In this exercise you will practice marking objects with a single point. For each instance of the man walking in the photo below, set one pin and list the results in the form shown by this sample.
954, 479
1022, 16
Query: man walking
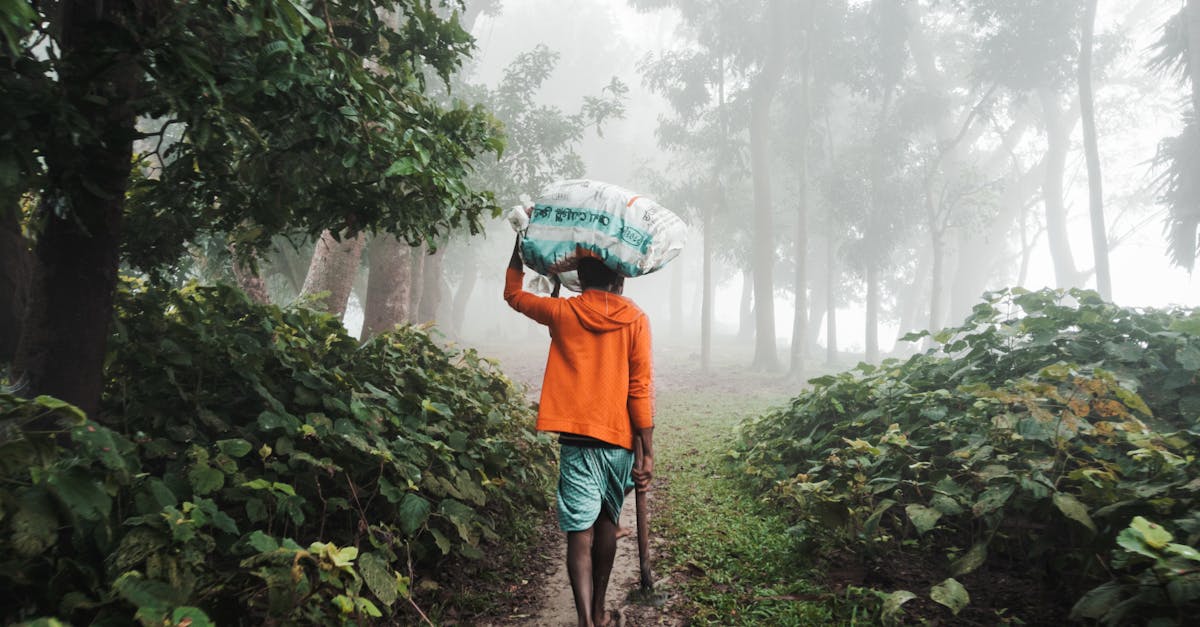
597, 395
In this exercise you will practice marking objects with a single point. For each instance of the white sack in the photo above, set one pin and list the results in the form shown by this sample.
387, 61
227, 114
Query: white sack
579, 218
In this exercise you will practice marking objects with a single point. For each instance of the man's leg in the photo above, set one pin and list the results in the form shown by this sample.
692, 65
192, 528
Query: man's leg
604, 549
579, 569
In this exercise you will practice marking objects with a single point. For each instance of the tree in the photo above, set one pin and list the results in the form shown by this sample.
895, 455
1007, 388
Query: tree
283, 129
1087, 105
1178, 159
331, 271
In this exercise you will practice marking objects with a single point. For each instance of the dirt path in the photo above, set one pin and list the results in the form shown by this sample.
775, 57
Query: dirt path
555, 605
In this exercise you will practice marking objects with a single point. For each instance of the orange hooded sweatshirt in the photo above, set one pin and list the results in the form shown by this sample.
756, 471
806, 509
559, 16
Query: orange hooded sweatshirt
599, 381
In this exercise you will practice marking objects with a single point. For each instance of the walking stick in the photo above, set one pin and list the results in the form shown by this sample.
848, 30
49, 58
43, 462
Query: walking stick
643, 526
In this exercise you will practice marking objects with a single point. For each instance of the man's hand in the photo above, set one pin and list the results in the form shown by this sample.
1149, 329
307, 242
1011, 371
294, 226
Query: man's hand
514, 262
644, 474
643, 458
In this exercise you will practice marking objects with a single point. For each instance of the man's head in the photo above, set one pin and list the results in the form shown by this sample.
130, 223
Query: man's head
594, 274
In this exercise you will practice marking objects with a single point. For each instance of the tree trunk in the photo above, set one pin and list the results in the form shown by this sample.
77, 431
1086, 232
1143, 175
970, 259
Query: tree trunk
16, 264
1091, 150
706, 298
462, 295
938, 246
1057, 140
248, 278
416, 256
800, 283
831, 343
766, 356
65, 333
332, 271
431, 286
871, 330
819, 300
389, 281
746, 308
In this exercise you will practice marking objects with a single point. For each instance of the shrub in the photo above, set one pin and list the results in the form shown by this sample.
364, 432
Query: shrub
253, 465
1030, 436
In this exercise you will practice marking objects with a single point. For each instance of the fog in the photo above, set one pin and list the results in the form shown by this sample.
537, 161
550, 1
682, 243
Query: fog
931, 139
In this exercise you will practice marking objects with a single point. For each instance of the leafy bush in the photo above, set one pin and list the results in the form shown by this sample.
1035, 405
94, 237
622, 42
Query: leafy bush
256, 465
1026, 441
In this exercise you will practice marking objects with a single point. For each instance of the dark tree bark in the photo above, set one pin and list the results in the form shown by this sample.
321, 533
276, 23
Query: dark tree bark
332, 271
248, 278
389, 281
1092, 151
16, 265
65, 334
431, 286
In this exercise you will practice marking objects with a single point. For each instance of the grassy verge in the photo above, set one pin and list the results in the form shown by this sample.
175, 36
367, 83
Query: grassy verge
734, 560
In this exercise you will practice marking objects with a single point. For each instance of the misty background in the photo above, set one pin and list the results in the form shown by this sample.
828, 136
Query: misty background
914, 154
1135, 110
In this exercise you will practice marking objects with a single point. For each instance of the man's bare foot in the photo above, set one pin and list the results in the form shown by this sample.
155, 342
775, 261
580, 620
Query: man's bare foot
612, 618
622, 532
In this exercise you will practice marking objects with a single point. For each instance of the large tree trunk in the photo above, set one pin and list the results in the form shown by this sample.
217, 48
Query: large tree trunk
1092, 151
332, 271
389, 281
800, 282
766, 356
65, 334
431, 286
1057, 143
16, 265
416, 259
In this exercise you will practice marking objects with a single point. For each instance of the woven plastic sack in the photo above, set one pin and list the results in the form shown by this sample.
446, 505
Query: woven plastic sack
579, 218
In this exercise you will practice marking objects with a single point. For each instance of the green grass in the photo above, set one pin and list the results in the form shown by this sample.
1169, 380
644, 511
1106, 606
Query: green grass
743, 566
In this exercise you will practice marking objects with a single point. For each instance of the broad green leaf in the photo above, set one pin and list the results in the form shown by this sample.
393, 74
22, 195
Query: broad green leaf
1184, 589
1153, 534
262, 542
205, 479
190, 617
951, 594
872, 523
379, 577
992, 499
441, 540
1132, 541
413, 512
236, 447
892, 606
922, 517
970, 560
1073, 509
1184, 551
945, 505
1098, 601
1188, 358
81, 494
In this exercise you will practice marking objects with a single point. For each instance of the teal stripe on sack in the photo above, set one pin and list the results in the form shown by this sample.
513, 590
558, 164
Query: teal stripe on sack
603, 222
541, 254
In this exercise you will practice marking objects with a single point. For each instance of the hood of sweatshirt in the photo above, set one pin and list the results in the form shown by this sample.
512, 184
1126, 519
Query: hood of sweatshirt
601, 312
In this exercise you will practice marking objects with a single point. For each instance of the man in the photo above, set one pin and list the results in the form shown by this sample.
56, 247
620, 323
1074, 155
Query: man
597, 395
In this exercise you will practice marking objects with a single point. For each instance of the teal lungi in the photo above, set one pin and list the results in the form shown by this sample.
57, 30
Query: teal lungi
589, 480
